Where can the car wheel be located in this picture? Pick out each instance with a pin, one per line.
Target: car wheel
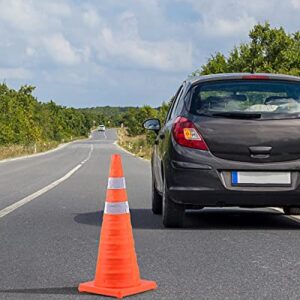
(291, 210)
(173, 213)
(156, 200)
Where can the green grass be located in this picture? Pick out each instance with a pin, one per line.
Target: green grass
(12, 151)
(137, 144)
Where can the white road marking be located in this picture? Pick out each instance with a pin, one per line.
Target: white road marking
(126, 151)
(105, 135)
(44, 190)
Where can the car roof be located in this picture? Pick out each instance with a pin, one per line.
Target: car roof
(226, 76)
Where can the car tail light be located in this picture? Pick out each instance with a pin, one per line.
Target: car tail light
(186, 134)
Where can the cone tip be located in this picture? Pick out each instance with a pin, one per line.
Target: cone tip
(115, 156)
(116, 169)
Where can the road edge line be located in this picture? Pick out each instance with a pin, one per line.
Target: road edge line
(5, 211)
(128, 152)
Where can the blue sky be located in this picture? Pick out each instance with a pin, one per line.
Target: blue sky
(122, 52)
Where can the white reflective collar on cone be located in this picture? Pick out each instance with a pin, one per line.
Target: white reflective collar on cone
(116, 208)
(116, 183)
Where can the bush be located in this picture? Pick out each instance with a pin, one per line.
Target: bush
(24, 120)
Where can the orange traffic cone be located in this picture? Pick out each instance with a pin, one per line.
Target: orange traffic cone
(117, 271)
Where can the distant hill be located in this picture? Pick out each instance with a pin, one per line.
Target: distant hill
(108, 115)
(106, 110)
(111, 116)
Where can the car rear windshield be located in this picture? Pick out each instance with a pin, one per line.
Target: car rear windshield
(247, 99)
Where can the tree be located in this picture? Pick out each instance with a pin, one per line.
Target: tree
(216, 64)
(25, 120)
(269, 50)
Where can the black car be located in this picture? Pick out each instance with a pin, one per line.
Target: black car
(228, 140)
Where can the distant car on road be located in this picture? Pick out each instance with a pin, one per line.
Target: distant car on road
(228, 140)
(101, 128)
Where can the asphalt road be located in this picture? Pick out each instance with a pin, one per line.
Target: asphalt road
(49, 244)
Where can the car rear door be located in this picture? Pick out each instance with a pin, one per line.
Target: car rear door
(161, 142)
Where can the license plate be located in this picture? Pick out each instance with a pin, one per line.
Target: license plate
(260, 178)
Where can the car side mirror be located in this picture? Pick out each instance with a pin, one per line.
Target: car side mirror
(152, 124)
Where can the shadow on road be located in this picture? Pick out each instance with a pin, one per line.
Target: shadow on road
(226, 219)
(240, 219)
(46, 291)
(140, 218)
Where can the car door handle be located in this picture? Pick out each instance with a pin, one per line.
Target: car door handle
(260, 150)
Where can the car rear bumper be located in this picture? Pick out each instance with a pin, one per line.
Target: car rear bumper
(233, 198)
(204, 185)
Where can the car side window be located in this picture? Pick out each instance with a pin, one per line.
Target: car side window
(178, 105)
(174, 104)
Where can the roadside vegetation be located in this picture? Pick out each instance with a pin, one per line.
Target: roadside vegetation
(269, 50)
(106, 115)
(10, 151)
(137, 145)
(132, 135)
(29, 126)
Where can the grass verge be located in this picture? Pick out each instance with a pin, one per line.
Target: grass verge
(135, 144)
(12, 151)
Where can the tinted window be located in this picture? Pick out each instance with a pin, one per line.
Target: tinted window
(177, 104)
(173, 104)
(266, 97)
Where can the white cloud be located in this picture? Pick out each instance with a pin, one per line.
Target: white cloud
(18, 14)
(228, 27)
(296, 4)
(163, 55)
(30, 51)
(91, 18)
(60, 50)
(14, 73)
(32, 15)
(96, 44)
(124, 45)
(54, 8)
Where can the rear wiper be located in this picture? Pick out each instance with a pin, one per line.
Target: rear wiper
(237, 115)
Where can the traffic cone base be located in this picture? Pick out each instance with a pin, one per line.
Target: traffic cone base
(90, 287)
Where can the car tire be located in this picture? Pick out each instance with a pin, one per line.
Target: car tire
(156, 200)
(291, 210)
(173, 213)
